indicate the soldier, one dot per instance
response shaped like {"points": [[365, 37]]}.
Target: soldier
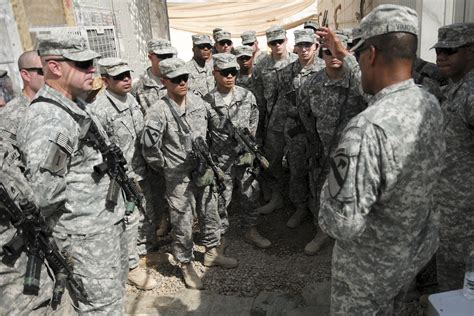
{"points": [[223, 42], [333, 101], [60, 155], [120, 115], [378, 201], [272, 110], [31, 73], [201, 80], [148, 91], [6, 88], [311, 25], [427, 75], [214, 31], [455, 60], [245, 77], [230, 102], [249, 38], [171, 129], [298, 143]]}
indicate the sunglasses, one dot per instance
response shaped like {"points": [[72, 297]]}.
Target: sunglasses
{"points": [[447, 51], [84, 65], [122, 76], [225, 42], [327, 52], [164, 56], [227, 72], [357, 52], [304, 45], [204, 46], [179, 79], [244, 58], [38, 70], [274, 43], [249, 44]]}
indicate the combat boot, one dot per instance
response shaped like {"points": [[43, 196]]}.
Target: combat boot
{"points": [[191, 279], [298, 216], [276, 202], [214, 258], [252, 236], [223, 245], [316, 244], [164, 226], [140, 279]]}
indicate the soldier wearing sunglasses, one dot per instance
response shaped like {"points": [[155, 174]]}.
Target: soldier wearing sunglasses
{"points": [[299, 143], [271, 123], [455, 61], [60, 165], [245, 77], [120, 114], [231, 102], [201, 80], [149, 90], [223, 42], [249, 38], [31, 73], [171, 128]]}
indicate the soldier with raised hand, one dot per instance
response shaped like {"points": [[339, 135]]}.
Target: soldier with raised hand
{"points": [[378, 201], [201, 80], [332, 101], [455, 60], [272, 112], [299, 144], [249, 38], [172, 127], [60, 156], [230, 102], [31, 73], [120, 115], [149, 90]]}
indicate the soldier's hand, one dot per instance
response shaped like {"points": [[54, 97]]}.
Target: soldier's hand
{"points": [[331, 41]]}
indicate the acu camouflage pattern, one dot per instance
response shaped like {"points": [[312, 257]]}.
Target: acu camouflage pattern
{"points": [[123, 121], [243, 113], [455, 195], [148, 90], [201, 80], [298, 153], [427, 75], [378, 201], [165, 145], [73, 198]]}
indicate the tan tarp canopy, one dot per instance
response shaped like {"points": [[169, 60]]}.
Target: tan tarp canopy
{"points": [[239, 16]]}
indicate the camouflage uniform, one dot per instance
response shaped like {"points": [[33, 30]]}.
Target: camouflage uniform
{"points": [[455, 195], [123, 121], [243, 112], [298, 151], [250, 37], [245, 81], [272, 112], [333, 103], [378, 200], [165, 145], [148, 91], [427, 75], [10, 117], [201, 80]]}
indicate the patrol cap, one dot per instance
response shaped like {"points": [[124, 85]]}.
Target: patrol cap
{"points": [[225, 60], [455, 35], [161, 46], [387, 18], [214, 31], [113, 66], [314, 25], [243, 51], [356, 33], [173, 67], [72, 47], [199, 39], [304, 36], [222, 35], [275, 32], [248, 37]]}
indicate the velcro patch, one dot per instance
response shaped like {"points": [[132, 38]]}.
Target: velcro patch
{"points": [[151, 134], [339, 167], [64, 142]]}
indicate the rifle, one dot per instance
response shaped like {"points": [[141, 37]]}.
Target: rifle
{"points": [[35, 237], [204, 159], [248, 142], [115, 166], [325, 22]]}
